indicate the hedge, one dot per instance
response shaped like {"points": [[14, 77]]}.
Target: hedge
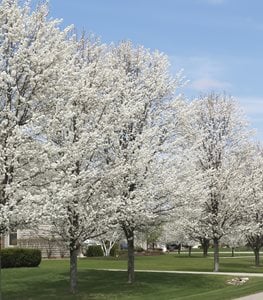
{"points": [[94, 251], [20, 257]]}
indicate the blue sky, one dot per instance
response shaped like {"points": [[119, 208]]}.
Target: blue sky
{"points": [[218, 43]]}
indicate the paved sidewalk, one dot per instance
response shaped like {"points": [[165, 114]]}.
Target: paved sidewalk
{"points": [[192, 272], [258, 296]]}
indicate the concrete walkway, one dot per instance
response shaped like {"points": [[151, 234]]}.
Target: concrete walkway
{"points": [[192, 272], [258, 296]]}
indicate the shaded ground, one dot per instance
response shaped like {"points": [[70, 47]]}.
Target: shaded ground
{"points": [[50, 281]]}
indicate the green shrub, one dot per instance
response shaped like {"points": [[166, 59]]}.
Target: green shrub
{"points": [[94, 251], [20, 257], [138, 249], [114, 251]]}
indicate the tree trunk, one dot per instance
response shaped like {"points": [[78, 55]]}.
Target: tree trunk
{"points": [[179, 249], [189, 250], [255, 242], [0, 274], [131, 273], [205, 251], [216, 255], [205, 245], [257, 260], [233, 251], [73, 270], [108, 252], [0, 277]]}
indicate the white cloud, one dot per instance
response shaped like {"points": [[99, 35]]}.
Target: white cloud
{"points": [[197, 67], [204, 73], [212, 74]]}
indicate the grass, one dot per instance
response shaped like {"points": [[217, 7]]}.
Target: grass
{"points": [[50, 280], [175, 262]]}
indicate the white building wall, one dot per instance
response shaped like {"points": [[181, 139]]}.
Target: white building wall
{"points": [[42, 239]]}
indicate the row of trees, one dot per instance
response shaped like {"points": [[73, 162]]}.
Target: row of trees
{"points": [[82, 126], [94, 139], [223, 178]]}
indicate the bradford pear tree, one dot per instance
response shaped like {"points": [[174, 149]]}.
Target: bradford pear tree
{"points": [[234, 239], [109, 239], [186, 217], [152, 235], [252, 225], [142, 86], [217, 136], [76, 206], [189, 215], [188, 224], [189, 220], [33, 55]]}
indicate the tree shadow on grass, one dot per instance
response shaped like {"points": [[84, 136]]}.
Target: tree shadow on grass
{"points": [[95, 284]]}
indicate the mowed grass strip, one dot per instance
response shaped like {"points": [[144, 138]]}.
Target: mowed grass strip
{"points": [[50, 280], [175, 262]]}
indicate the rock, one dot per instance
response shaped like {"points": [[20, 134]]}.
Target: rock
{"points": [[237, 281]]}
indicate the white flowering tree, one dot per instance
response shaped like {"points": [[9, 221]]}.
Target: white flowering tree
{"points": [[176, 231], [234, 239], [110, 239], [33, 54], [142, 85], [216, 136], [190, 222], [77, 205], [183, 179], [252, 226], [189, 225]]}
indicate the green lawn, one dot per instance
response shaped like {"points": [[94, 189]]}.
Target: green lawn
{"points": [[175, 262], [50, 280]]}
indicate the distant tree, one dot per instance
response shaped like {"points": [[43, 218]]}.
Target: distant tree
{"points": [[234, 239], [216, 138], [175, 231], [195, 231], [152, 235], [252, 225], [109, 240]]}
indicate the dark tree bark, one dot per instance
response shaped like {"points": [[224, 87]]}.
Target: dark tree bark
{"points": [[131, 271], [216, 254], [255, 242], [129, 234], [73, 270], [189, 250], [179, 249], [0, 277], [205, 251], [0, 267], [233, 251], [257, 257], [205, 245]]}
